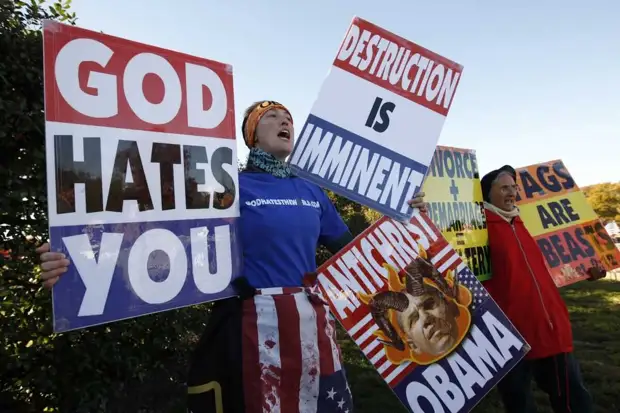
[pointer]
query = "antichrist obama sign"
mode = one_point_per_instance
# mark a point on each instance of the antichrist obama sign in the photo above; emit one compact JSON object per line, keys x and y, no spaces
{"x":142,"y":177}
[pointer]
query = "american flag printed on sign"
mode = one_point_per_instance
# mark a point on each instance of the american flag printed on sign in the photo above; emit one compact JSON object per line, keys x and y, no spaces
{"x":374,"y":263}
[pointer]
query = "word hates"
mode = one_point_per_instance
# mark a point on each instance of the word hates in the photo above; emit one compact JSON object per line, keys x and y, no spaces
{"x":97,"y":275}
{"x":413,"y":72}
{"x":128,"y":158}
{"x":183,"y":85}
{"x":552,"y":178}
{"x":356,"y":168}
{"x":453,"y":164}
{"x":464,"y":375}
{"x":360,"y":268}
{"x":576,"y":244}
{"x":457,"y":216}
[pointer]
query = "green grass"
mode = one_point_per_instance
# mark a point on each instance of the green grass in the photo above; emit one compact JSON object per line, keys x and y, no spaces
{"x":595,"y":314}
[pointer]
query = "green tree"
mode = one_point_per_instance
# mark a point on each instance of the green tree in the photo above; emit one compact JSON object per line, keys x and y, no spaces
{"x":605,"y":200}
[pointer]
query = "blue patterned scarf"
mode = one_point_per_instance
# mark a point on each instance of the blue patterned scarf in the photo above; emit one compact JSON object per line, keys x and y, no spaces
{"x":259,"y":159}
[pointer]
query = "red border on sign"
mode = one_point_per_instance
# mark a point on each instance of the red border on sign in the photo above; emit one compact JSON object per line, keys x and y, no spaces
{"x":57,"y":109}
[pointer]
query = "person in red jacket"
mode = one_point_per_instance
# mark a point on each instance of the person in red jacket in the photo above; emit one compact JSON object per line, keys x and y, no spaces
{"x":524,"y":289}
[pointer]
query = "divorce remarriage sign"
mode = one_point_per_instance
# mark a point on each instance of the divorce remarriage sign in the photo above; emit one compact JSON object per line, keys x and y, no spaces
{"x":372,"y":130}
{"x":142,"y":176}
{"x":570,"y":235}
{"x":420,"y":316}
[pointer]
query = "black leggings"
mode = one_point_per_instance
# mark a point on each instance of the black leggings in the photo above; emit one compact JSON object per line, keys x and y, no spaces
{"x":558,"y":376}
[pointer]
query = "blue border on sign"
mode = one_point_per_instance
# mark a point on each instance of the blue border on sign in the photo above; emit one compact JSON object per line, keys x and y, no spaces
{"x":314,"y":121}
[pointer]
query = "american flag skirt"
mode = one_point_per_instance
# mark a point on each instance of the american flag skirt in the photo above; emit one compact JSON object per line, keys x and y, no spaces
{"x":275,"y":352}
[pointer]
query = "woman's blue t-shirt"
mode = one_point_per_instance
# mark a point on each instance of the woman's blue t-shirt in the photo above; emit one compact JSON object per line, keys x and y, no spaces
{"x":282,"y":222}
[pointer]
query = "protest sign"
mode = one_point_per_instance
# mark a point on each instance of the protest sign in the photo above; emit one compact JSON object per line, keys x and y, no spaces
{"x":372,"y":131}
{"x":142,"y":176}
{"x":420,"y":315}
{"x":566,"y":228}
{"x":453,"y":192}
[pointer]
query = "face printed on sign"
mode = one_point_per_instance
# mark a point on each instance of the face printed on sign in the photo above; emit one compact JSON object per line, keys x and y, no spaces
{"x":429,"y":322}
{"x":504,"y":192}
{"x":275,"y":133}
{"x":420,"y":320}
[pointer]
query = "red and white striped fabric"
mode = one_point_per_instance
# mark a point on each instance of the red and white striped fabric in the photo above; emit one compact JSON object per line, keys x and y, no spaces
{"x":289,"y":344}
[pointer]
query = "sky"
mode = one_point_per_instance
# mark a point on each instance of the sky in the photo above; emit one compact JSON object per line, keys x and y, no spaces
{"x":541,"y":79}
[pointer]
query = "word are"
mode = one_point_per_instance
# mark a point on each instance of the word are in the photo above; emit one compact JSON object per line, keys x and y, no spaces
{"x":97,"y":274}
{"x":414,"y":72}
{"x":457,"y":216}
{"x":184,"y":86}
{"x":556,"y":213}
{"x":453,"y":164}
{"x":369,"y":171}
{"x":477,"y":361}
{"x":90,"y":172}
{"x":360,"y":270}
{"x":552,"y":178}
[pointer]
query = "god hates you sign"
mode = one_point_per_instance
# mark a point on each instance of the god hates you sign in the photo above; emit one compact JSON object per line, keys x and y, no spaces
{"x":372,"y":131}
{"x":420,"y":316}
{"x":142,"y":176}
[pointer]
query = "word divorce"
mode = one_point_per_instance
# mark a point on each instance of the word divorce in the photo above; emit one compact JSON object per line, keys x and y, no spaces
{"x":369,"y":171}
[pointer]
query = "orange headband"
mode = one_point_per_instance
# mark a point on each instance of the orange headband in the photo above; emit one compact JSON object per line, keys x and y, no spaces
{"x":250,"y":123}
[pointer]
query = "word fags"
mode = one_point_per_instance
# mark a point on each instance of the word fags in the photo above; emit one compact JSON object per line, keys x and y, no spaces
{"x":363,"y":170}
{"x":412,"y":72}
{"x":554,"y":178}
{"x":479,"y":359}
{"x":97,"y":274}
{"x":359,"y":270}
{"x":128,"y":158}
{"x":576,"y":244}
{"x":102,"y":101}
{"x":556,"y":213}
{"x":453,"y":164}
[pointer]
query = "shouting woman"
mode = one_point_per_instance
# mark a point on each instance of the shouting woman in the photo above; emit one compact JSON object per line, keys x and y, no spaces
{"x":273,"y":348}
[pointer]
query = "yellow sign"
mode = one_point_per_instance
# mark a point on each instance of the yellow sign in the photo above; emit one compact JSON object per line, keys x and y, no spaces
{"x":567,"y":230}
{"x":452,"y":189}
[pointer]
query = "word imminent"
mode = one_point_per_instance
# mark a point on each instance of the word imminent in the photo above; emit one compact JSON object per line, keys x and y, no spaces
{"x":457,"y":216}
{"x":135,"y":187}
{"x":370,"y":171}
{"x":409,"y":68}
{"x":464,"y":375}
{"x":544,"y":179}
{"x":97,"y":274}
